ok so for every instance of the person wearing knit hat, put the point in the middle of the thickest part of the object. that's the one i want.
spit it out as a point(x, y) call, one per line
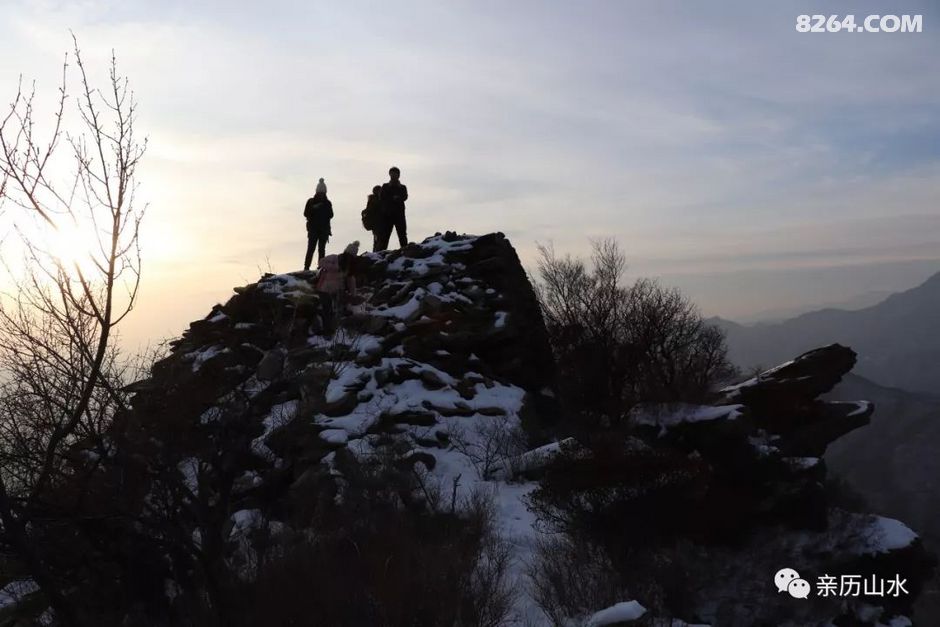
point(319, 213)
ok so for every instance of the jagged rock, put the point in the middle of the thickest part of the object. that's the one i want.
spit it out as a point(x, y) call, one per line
point(271, 365)
point(417, 457)
point(467, 389)
point(382, 376)
point(431, 305)
point(375, 325)
point(342, 407)
point(432, 380)
point(785, 400)
point(795, 383)
point(830, 422)
point(474, 292)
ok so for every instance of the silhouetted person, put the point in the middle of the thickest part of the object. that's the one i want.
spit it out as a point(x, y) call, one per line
point(394, 195)
point(319, 212)
point(373, 217)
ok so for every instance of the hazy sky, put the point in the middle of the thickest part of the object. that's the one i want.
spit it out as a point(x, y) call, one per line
point(755, 167)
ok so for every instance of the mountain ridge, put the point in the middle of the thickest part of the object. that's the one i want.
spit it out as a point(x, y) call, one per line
point(896, 339)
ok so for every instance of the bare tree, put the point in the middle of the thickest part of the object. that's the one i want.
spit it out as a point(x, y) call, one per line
point(60, 373)
point(619, 344)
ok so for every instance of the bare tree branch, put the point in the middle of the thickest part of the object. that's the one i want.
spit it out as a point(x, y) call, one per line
point(61, 377)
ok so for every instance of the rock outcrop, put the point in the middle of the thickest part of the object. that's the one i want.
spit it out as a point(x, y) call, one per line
point(443, 371)
point(436, 369)
point(747, 487)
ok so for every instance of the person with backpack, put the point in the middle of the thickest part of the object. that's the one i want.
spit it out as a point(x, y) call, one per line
point(319, 213)
point(336, 283)
point(373, 217)
point(394, 195)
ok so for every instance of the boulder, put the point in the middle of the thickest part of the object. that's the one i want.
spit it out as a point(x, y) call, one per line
point(794, 383)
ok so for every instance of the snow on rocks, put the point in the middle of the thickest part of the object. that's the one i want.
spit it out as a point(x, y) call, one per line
point(405, 311)
point(279, 416)
point(888, 534)
point(286, 286)
point(200, 358)
point(622, 612)
point(854, 408)
point(15, 591)
point(189, 468)
point(801, 463)
point(437, 249)
point(669, 415)
point(537, 459)
point(247, 520)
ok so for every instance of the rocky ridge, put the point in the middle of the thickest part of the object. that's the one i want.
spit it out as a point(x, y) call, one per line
point(444, 370)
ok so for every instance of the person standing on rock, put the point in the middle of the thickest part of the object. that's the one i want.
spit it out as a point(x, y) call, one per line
point(373, 218)
point(394, 195)
point(319, 212)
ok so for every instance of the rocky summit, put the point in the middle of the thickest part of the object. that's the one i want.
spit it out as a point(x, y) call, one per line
point(259, 419)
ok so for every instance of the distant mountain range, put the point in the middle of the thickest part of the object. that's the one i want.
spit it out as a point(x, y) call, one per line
point(770, 316)
point(897, 339)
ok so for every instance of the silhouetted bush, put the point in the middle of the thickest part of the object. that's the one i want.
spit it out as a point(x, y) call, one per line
point(375, 556)
point(623, 507)
point(572, 578)
point(617, 345)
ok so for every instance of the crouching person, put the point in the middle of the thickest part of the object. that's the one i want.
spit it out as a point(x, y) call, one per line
point(336, 284)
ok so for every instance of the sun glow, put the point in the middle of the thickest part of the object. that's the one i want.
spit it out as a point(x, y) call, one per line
point(75, 246)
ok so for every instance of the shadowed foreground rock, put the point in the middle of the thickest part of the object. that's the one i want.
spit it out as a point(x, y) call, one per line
point(741, 494)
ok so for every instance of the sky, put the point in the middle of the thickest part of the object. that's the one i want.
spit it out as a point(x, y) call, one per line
point(756, 168)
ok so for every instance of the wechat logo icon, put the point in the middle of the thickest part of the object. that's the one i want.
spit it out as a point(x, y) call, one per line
point(788, 580)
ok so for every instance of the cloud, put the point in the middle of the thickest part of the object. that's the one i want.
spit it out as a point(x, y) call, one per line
point(701, 136)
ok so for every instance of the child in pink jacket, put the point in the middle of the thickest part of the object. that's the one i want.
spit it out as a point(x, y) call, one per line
point(336, 282)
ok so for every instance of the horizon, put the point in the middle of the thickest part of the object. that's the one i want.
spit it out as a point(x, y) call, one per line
point(678, 134)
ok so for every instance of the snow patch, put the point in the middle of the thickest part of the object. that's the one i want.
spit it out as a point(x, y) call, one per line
point(16, 591)
point(669, 415)
point(889, 534)
point(619, 613)
point(201, 357)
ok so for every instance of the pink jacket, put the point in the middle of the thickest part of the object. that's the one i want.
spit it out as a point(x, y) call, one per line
point(331, 279)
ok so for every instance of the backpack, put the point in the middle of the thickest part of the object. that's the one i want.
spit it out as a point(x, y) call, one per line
point(368, 220)
point(370, 215)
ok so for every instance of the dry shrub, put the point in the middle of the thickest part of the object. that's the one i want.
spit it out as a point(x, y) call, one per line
point(619, 344)
point(573, 578)
point(373, 557)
